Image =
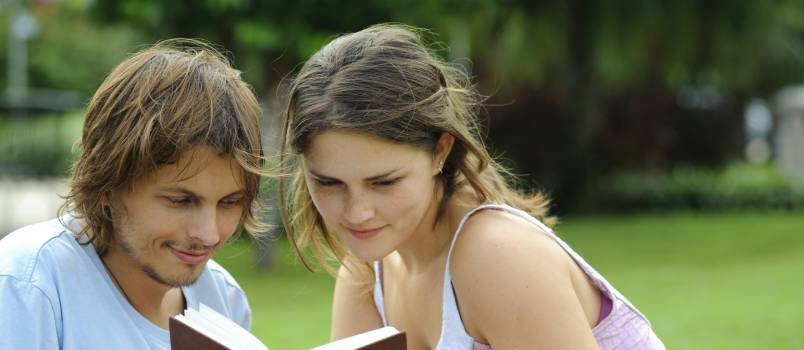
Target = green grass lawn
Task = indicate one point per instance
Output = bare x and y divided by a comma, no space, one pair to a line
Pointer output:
709,281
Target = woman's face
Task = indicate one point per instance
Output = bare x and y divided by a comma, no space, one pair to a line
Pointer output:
371,192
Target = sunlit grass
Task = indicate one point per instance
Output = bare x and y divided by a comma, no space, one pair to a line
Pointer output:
291,306
712,281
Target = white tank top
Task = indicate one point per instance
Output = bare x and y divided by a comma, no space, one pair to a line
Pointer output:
623,328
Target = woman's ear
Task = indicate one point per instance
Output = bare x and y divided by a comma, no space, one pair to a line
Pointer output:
442,150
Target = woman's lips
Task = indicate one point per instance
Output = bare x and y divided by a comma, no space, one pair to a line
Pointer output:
365,234
191,258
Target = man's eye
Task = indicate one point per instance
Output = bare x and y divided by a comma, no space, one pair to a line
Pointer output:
231,202
178,201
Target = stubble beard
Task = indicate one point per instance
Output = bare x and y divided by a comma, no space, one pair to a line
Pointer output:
123,232
179,281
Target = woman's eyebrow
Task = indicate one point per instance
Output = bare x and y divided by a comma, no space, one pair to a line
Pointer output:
370,178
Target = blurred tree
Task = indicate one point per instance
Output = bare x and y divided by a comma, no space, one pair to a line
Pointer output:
266,38
579,88
634,84
66,60
70,51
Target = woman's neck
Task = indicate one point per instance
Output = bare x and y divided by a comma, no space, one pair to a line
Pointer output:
431,240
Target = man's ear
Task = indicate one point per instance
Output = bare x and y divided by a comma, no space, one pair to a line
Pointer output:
442,150
106,205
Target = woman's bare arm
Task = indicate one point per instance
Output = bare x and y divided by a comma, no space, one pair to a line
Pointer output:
353,309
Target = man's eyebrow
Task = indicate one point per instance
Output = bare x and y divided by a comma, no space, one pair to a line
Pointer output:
188,192
178,189
370,178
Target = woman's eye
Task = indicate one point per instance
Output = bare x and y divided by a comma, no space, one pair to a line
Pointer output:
386,182
326,183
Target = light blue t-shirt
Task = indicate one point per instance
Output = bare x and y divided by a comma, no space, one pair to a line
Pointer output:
56,294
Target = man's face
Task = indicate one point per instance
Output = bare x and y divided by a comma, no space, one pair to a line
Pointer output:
170,223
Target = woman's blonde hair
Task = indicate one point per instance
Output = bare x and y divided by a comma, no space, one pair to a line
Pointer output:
151,109
383,81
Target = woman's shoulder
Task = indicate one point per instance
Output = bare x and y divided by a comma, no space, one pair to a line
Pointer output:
498,235
504,267
500,245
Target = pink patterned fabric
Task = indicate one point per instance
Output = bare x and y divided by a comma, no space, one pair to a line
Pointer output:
624,330
605,307
479,346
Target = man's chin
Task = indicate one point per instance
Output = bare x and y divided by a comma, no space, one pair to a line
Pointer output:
178,280
189,278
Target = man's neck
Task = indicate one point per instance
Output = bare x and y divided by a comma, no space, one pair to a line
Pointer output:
153,300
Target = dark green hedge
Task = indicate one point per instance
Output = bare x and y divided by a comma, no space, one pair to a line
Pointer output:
739,186
38,145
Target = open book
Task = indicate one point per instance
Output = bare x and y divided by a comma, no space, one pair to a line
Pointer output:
205,329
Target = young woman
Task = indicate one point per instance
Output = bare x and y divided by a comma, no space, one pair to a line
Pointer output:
389,171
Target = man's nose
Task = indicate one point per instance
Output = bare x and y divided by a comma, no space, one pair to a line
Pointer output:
204,228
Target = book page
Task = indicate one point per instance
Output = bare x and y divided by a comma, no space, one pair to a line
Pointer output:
244,338
359,340
220,328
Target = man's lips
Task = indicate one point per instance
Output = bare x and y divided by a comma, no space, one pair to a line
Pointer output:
190,257
365,233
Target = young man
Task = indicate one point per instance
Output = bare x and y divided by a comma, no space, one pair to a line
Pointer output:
169,170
